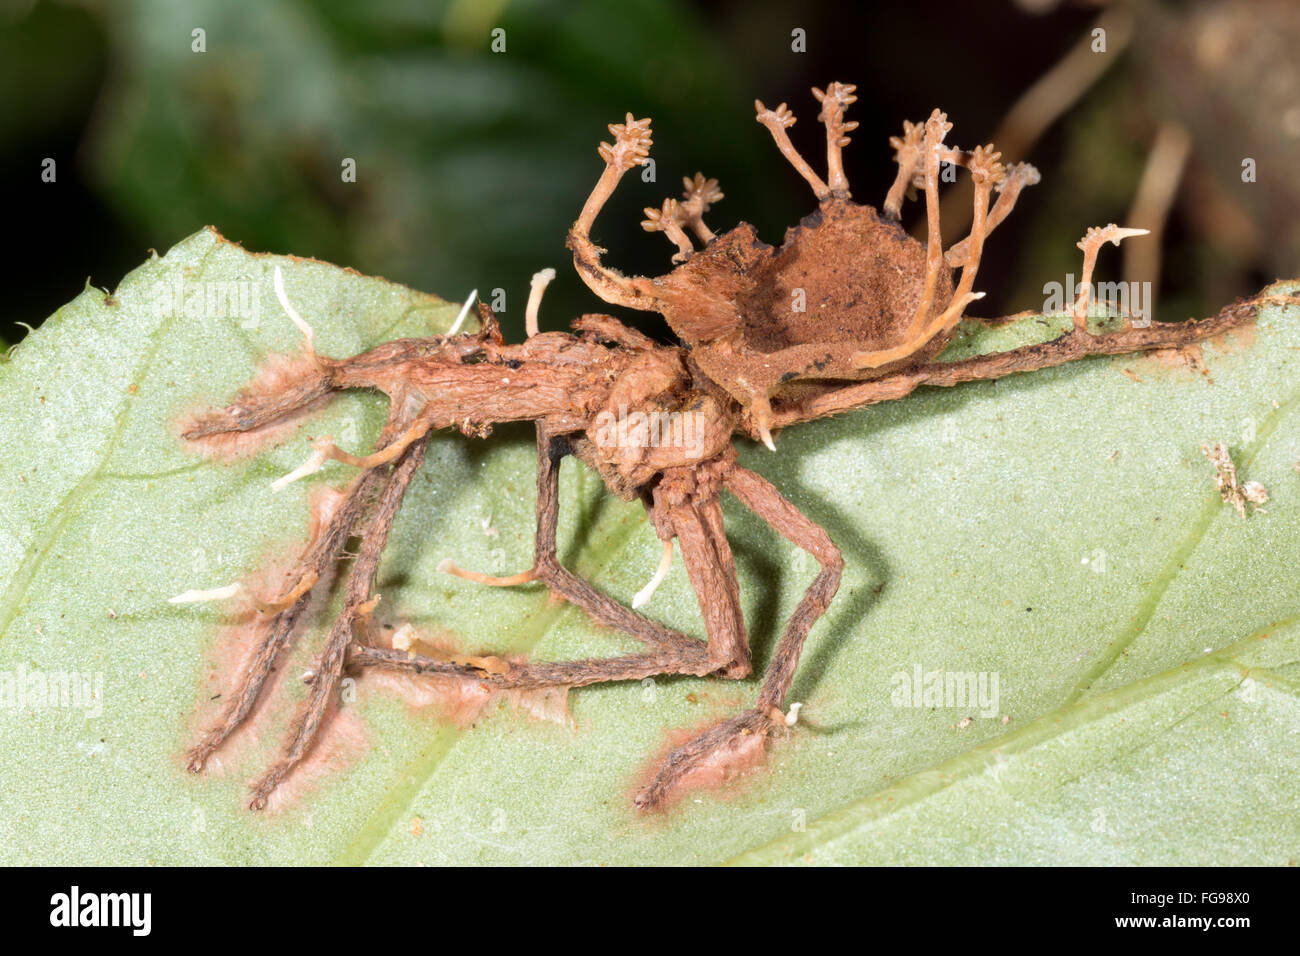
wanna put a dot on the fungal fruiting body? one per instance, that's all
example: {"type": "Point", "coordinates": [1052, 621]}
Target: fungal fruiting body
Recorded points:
{"type": "Point", "coordinates": [876, 307]}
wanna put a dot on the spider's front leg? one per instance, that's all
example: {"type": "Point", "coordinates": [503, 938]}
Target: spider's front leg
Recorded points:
{"type": "Point", "coordinates": [379, 491]}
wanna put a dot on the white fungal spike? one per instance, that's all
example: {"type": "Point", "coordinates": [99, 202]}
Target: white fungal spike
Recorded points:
{"type": "Point", "coordinates": [665, 565]}
{"type": "Point", "coordinates": [793, 716]}
{"type": "Point", "coordinates": [314, 463]}
{"type": "Point", "coordinates": [197, 596]}
{"type": "Point", "coordinates": [307, 332]}
{"type": "Point", "coordinates": [403, 637]}
{"type": "Point", "coordinates": [765, 433]}
{"type": "Point", "coordinates": [464, 311]}
{"type": "Point", "coordinates": [540, 281]}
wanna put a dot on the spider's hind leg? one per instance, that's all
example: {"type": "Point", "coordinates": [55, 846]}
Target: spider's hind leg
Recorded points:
{"type": "Point", "coordinates": [741, 737]}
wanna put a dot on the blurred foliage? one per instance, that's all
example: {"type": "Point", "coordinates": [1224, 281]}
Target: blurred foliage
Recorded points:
{"type": "Point", "coordinates": [471, 164]}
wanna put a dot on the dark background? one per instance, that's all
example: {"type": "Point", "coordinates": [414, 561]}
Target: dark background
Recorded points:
{"type": "Point", "coordinates": [471, 164]}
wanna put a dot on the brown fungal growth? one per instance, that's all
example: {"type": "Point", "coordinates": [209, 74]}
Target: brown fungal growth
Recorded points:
{"type": "Point", "coordinates": [850, 310]}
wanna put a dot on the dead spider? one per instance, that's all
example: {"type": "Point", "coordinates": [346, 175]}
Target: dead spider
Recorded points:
{"type": "Point", "coordinates": [849, 311]}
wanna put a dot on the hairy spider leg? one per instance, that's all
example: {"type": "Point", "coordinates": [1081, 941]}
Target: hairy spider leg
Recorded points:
{"type": "Point", "coordinates": [672, 652]}
{"type": "Point", "coordinates": [277, 631]}
{"type": "Point", "coordinates": [551, 451]}
{"type": "Point", "coordinates": [1076, 344]}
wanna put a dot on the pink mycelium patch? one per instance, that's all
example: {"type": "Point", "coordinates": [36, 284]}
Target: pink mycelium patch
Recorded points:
{"type": "Point", "coordinates": [1179, 364]}
{"type": "Point", "coordinates": [342, 739]}
{"type": "Point", "coordinates": [252, 747]}
{"type": "Point", "coordinates": [279, 373]}
{"type": "Point", "coordinates": [721, 771]}
{"type": "Point", "coordinates": [254, 743]}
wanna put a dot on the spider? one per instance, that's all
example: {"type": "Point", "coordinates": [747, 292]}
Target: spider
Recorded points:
{"type": "Point", "coordinates": [850, 310]}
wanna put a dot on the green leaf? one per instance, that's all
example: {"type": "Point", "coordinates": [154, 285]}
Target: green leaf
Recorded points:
{"type": "Point", "coordinates": [1059, 530]}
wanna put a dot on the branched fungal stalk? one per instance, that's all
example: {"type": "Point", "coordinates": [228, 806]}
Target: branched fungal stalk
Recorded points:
{"type": "Point", "coordinates": [878, 309]}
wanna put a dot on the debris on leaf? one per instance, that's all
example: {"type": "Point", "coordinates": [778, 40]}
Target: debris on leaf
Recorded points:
{"type": "Point", "coordinates": [1232, 492]}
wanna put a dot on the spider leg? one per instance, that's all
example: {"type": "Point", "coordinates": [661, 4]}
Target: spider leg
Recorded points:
{"type": "Point", "coordinates": [551, 451]}
{"type": "Point", "coordinates": [357, 606]}
{"type": "Point", "coordinates": [689, 508]}
{"type": "Point", "coordinates": [746, 731]}
{"type": "Point", "coordinates": [630, 148]}
{"type": "Point", "coordinates": [762, 498]}
{"type": "Point", "coordinates": [534, 674]}
{"type": "Point", "coordinates": [275, 633]}
{"type": "Point", "coordinates": [1076, 344]}
{"type": "Point", "coordinates": [695, 518]}
{"type": "Point", "coordinates": [281, 390]}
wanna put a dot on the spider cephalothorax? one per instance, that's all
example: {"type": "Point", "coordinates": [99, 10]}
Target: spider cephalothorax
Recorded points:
{"type": "Point", "coordinates": [849, 311]}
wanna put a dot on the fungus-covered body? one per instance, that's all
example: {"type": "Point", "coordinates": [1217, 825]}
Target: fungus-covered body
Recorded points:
{"type": "Point", "coordinates": [843, 281]}
{"type": "Point", "coordinates": [592, 390]}
{"type": "Point", "coordinates": [848, 311]}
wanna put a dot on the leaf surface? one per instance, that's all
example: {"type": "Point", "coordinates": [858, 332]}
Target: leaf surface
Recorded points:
{"type": "Point", "coordinates": [1058, 531]}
